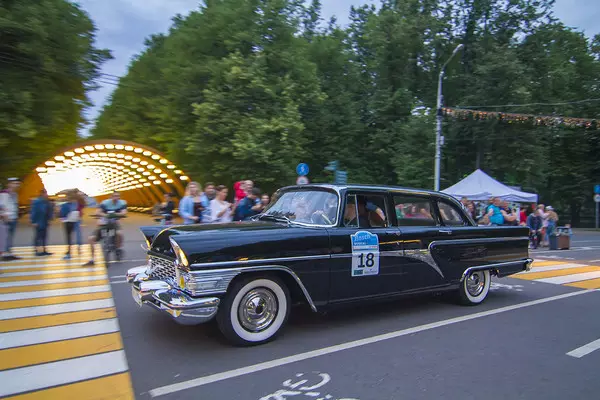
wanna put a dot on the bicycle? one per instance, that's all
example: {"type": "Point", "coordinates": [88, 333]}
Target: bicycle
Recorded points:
{"type": "Point", "coordinates": [108, 236]}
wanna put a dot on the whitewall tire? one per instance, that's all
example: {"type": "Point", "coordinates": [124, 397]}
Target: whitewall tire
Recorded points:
{"type": "Point", "coordinates": [254, 311]}
{"type": "Point", "coordinates": [475, 287]}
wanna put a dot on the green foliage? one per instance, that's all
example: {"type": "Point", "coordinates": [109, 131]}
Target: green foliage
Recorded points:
{"type": "Point", "coordinates": [47, 65]}
{"type": "Point", "coordinates": [248, 88]}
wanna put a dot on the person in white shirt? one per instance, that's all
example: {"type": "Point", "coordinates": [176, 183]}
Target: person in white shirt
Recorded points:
{"type": "Point", "coordinates": [9, 204]}
{"type": "Point", "coordinates": [220, 209]}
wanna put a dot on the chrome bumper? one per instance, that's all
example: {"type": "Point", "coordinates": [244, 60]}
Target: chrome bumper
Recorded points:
{"type": "Point", "coordinates": [164, 296]}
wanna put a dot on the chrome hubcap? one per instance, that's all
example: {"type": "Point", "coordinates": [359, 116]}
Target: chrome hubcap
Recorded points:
{"type": "Point", "coordinates": [476, 283]}
{"type": "Point", "coordinates": [257, 310]}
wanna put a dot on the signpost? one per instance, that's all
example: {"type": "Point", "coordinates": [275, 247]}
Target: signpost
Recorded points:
{"type": "Point", "coordinates": [302, 169]}
{"type": "Point", "coordinates": [302, 180]}
{"type": "Point", "coordinates": [597, 200]}
{"type": "Point", "coordinates": [341, 177]}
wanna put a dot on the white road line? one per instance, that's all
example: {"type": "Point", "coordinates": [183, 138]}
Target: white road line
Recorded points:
{"type": "Point", "coordinates": [61, 372]}
{"type": "Point", "coordinates": [52, 271]}
{"type": "Point", "coordinates": [56, 333]}
{"type": "Point", "coordinates": [176, 387]}
{"type": "Point", "coordinates": [551, 268]}
{"type": "Point", "coordinates": [118, 282]}
{"type": "Point", "coordinates": [571, 249]}
{"type": "Point", "coordinates": [55, 309]}
{"type": "Point", "coordinates": [52, 281]}
{"type": "Point", "coordinates": [117, 276]}
{"type": "Point", "coordinates": [559, 280]}
{"type": "Point", "coordinates": [54, 292]}
{"type": "Point", "coordinates": [585, 350]}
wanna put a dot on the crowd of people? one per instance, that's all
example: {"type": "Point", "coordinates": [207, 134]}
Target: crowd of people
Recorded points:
{"type": "Point", "coordinates": [540, 219]}
{"type": "Point", "coordinates": [211, 205]}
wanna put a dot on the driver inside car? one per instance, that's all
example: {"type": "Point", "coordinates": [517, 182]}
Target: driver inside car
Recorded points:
{"type": "Point", "coordinates": [114, 205]}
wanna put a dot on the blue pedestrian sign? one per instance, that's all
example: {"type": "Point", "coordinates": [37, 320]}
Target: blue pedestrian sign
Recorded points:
{"type": "Point", "coordinates": [302, 169]}
{"type": "Point", "coordinates": [597, 189]}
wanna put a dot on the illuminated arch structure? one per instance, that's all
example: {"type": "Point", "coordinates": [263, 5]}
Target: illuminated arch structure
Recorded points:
{"type": "Point", "coordinates": [141, 174]}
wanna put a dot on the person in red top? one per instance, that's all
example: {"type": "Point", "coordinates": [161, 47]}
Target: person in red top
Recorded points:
{"type": "Point", "coordinates": [239, 191]}
{"type": "Point", "coordinates": [523, 216]}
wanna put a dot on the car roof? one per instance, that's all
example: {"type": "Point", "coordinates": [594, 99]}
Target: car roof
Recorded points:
{"type": "Point", "coordinates": [389, 188]}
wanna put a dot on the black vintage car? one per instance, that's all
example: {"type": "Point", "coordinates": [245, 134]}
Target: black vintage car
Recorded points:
{"type": "Point", "coordinates": [322, 245]}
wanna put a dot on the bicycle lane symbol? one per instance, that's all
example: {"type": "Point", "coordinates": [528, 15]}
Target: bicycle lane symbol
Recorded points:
{"type": "Point", "coordinates": [304, 386]}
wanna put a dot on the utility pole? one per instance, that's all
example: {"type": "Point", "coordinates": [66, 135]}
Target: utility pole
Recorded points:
{"type": "Point", "coordinates": [438, 127]}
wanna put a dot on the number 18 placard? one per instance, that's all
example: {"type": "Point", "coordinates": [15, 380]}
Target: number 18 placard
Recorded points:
{"type": "Point", "coordinates": [365, 254]}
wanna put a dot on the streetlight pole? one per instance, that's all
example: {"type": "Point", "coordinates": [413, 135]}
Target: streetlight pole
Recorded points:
{"type": "Point", "coordinates": [438, 127]}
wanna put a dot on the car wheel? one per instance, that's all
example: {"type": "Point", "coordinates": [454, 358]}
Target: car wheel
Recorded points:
{"type": "Point", "coordinates": [254, 310]}
{"type": "Point", "coordinates": [475, 287]}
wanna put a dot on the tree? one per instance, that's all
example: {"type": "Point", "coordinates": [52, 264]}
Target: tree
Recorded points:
{"type": "Point", "coordinates": [48, 65]}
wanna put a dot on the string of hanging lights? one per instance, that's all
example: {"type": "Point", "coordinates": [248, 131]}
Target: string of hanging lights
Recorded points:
{"type": "Point", "coordinates": [537, 120]}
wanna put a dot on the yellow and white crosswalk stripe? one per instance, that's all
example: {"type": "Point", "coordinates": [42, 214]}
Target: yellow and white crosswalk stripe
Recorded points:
{"type": "Point", "coordinates": [59, 334]}
{"type": "Point", "coordinates": [563, 273]}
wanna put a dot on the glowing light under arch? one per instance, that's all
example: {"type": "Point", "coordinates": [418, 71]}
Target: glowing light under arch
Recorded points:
{"type": "Point", "coordinates": [97, 168]}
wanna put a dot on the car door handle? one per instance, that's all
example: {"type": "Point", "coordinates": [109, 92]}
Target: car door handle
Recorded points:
{"type": "Point", "coordinates": [445, 231]}
{"type": "Point", "coordinates": [393, 233]}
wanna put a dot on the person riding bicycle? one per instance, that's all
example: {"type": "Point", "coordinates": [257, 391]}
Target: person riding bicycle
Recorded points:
{"type": "Point", "coordinates": [107, 210]}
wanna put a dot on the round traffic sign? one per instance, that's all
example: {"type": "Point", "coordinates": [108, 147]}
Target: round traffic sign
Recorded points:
{"type": "Point", "coordinates": [302, 180]}
{"type": "Point", "coordinates": [302, 169]}
{"type": "Point", "coordinates": [597, 198]}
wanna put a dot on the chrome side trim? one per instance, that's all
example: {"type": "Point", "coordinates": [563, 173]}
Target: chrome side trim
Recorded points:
{"type": "Point", "coordinates": [526, 262]}
{"type": "Point", "coordinates": [481, 240]}
{"type": "Point", "coordinates": [424, 255]}
{"type": "Point", "coordinates": [200, 275]}
{"type": "Point", "coordinates": [264, 260]}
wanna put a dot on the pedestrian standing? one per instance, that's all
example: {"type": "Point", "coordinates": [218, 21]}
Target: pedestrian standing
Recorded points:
{"type": "Point", "coordinates": [220, 208]}
{"type": "Point", "coordinates": [9, 202]}
{"type": "Point", "coordinates": [42, 212]}
{"type": "Point", "coordinates": [81, 205]}
{"type": "Point", "coordinates": [248, 206]}
{"type": "Point", "coordinates": [193, 204]}
{"type": "Point", "coordinates": [69, 214]}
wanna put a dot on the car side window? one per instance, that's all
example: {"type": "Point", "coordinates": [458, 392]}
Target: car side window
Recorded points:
{"type": "Point", "coordinates": [350, 211]}
{"type": "Point", "coordinates": [413, 211]}
{"type": "Point", "coordinates": [450, 215]}
{"type": "Point", "coordinates": [365, 211]}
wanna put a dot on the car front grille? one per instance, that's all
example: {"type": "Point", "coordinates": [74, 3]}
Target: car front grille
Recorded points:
{"type": "Point", "coordinates": [161, 268]}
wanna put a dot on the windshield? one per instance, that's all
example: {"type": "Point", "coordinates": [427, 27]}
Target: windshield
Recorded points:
{"type": "Point", "coordinates": [315, 207]}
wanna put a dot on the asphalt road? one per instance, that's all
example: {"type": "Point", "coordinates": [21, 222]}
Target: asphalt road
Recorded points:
{"type": "Point", "coordinates": [513, 346]}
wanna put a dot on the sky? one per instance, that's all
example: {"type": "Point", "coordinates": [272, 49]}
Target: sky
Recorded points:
{"type": "Point", "coordinates": [124, 24]}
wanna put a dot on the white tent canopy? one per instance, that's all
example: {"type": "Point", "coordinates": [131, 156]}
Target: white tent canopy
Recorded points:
{"type": "Point", "coordinates": [481, 186]}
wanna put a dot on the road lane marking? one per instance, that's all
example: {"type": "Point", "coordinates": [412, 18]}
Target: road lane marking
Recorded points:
{"type": "Point", "coordinates": [53, 293]}
{"type": "Point", "coordinates": [52, 286]}
{"type": "Point", "coordinates": [537, 263]}
{"type": "Point", "coordinates": [535, 268]}
{"type": "Point", "coordinates": [589, 284]}
{"type": "Point", "coordinates": [51, 281]}
{"type": "Point", "coordinates": [44, 321]}
{"type": "Point", "coordinates": [572, 278]}
{"type": "Point", "coordinates": [176, 387]}
{"type": "Point", "coordinates": [63, 350]}
{"type": "Point", "coordinates": [585, 350]}
{"type": "Point", "coordinates": [57, 333]}
{"type": "Point", "coordinates": [539, 276]}
{"type": "Point", "coordinates": [45, 301]}
{"type": "Point", "coordinates": [17, 380]}
{"type": "Point", "coordinates": [109, 387]}
{"type": "Point", "coordinates": [52, 271]}
{"type": "Point", "coordinates": [36, 277]}
{"type": "Point", "coordinates": [55, 309]}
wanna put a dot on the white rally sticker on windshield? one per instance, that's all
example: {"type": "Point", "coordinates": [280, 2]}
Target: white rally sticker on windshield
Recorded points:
{"type": "Point", "coordinates": [365, 254]}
